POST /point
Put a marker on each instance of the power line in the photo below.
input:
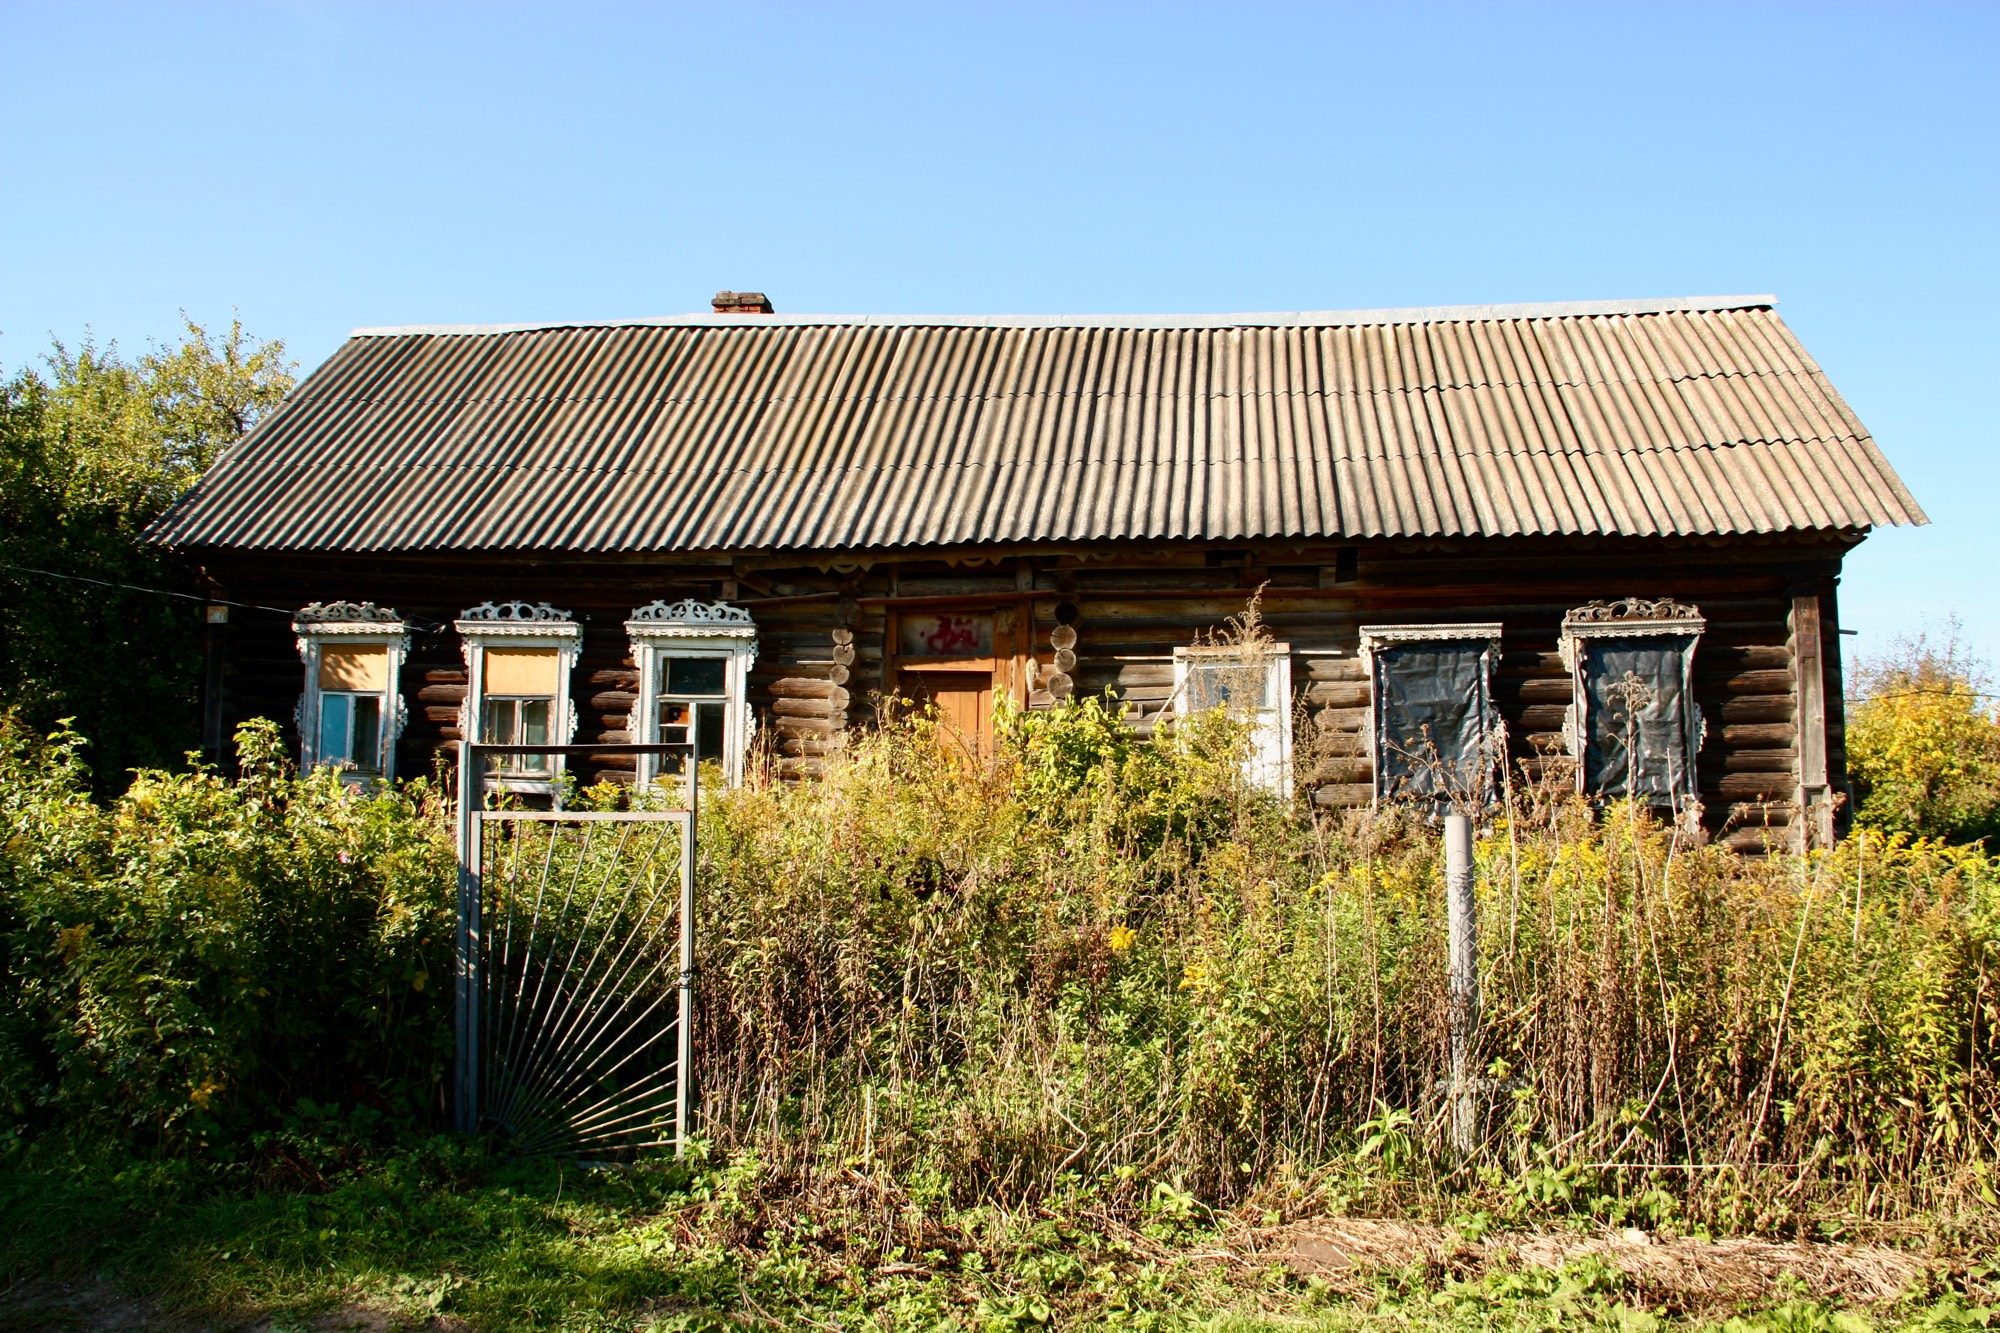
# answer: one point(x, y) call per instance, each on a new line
point(419, 625)
point(135, 587)
point(1946, 693)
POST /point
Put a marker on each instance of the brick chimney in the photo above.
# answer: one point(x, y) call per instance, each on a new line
point(742, 303)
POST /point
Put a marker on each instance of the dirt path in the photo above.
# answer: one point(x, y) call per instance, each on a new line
point(1680, 1275)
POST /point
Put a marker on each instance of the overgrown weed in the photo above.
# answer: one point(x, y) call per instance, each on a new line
point(1116, 958)
point(995, 1042)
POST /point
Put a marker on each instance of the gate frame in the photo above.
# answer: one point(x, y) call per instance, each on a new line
point(471, 817)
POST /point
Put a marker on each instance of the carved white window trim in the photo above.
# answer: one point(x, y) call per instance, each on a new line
point(1270, 761)
point(1631, 618)
point(688, 628)
point(351, 625)
point(1375, 637)
point(493, 625)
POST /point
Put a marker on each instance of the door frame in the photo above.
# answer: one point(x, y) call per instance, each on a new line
point(1010, 668)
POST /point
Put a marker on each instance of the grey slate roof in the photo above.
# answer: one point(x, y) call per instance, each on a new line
point(707, 432)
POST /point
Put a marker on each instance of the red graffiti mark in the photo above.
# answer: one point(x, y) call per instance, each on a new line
point(954, 634)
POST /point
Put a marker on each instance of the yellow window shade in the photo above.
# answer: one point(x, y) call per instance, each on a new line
point(355, 668)
point(521, 671)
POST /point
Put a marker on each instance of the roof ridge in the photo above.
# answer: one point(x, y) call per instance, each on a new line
point(1267, 319)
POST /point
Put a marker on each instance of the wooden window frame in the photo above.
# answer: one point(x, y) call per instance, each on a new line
point(1375, 638)
point(689, 628)
point(324, 625)
point(1631, 618)
point(493, 625)
point(1271, 763)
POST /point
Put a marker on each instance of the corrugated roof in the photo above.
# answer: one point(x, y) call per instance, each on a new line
point(710, 432)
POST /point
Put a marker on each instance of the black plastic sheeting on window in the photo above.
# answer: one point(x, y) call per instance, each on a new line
point(1433, 717)
point(1636, 698)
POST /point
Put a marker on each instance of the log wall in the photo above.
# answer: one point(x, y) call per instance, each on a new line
point(823, 638)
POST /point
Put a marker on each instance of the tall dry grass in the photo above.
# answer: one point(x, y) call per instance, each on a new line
point(1100, 961)
point(1096, 963)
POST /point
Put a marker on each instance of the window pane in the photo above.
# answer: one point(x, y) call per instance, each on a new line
point(497, 727)
point(708, 729)
point(335, 713)
point(1207, 688)
point(694, 675)
point(518, 722)
point(367, 732)
point(1431, 718)
point(1240, 685)
point(534, 721)
point(1214, 687)
point(675, 716)
point(1636, 696)
point(529, 719)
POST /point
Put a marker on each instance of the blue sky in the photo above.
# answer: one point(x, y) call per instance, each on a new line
point(319, 166)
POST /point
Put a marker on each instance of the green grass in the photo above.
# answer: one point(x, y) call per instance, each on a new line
point(507, 1245)
point(545, 1245)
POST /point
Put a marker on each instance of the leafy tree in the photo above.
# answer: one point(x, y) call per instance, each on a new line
point(92, 449)
point(1923, 742)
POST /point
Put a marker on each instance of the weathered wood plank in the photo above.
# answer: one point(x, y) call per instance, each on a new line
point(1741, 682)
point(1344, 668)
point(1341, 719)
point(1532, 690)
point(1145, 673)
point(799, 687)
point(1748, 786)
point(1751, 736)
point(1760, 708)
point(1343, 771)
point(1339, 694)
point(1759, 761)
point(1337, 744)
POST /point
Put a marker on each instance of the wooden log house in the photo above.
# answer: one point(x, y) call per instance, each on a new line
point(749, 528)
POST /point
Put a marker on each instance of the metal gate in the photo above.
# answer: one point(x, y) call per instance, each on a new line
point(575, 966)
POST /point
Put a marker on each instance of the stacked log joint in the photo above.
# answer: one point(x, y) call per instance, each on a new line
point(1337, 759)
point(805, 665)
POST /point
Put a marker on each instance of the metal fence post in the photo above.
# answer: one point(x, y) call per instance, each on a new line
point(465, 1087)
point(684, 1050)
point(1462, 924)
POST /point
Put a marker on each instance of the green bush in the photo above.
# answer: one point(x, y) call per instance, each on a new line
point(191, 964)
point(1923, 743)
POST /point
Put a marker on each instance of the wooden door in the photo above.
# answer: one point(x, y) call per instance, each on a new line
point(964, 701)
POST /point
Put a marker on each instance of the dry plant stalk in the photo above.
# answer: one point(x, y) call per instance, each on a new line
point(1110, 959)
